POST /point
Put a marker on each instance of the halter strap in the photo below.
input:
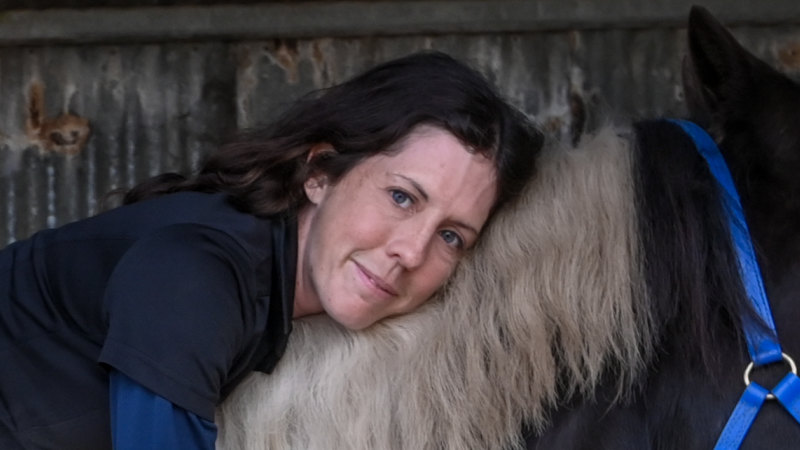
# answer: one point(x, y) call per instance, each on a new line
point(762, 338)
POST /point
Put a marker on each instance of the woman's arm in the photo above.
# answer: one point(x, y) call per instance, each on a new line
point(143, 419)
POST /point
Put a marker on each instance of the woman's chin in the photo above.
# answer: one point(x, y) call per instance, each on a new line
point(353, 319)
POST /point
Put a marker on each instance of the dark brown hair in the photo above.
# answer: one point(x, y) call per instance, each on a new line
point(264, 170)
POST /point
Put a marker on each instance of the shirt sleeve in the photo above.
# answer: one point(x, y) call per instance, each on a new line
point(173, 305)
point(142, 419)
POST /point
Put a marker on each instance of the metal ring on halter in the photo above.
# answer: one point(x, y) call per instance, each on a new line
point(786, 358)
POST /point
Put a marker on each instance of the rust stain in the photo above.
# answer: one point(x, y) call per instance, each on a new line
point(574, 40)
point(789, 55)
point(246, 73)
point(553, 125)
point(65, 134)
point(316, 54)
point(284, 53)
point(322, 71)
point(243, 59)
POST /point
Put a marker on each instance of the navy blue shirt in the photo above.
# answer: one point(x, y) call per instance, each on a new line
point(183, 294)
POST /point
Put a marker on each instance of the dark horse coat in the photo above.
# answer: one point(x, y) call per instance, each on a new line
point(688, 391)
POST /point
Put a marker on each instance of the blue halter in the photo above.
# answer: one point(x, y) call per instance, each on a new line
point(762, 339)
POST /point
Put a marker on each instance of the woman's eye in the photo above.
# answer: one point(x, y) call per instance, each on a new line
point(452, 238)
point(401, 198)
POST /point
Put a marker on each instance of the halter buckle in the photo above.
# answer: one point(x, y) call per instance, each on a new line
point(786, 358)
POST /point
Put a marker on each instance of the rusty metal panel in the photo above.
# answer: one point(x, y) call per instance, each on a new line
point(156, 107)
point(569, 81)
point(151, 109)
point(564, 79)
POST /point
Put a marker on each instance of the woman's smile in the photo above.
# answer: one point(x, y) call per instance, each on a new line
point(381, 289)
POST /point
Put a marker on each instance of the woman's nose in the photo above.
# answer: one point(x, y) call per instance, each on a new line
point(409, 245)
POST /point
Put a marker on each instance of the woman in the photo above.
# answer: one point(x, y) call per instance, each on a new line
point(357, 203)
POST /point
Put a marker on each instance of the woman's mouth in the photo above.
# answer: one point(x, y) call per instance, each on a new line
point(375, 281)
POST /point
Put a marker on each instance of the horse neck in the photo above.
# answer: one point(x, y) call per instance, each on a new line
point(690, 267)
point(769, 187)
point(760, 138)
point(773, 215)
point(775, 232)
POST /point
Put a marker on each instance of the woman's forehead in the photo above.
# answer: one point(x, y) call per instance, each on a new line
point(441, 170)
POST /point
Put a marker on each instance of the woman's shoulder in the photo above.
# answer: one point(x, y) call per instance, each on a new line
point(182, 210)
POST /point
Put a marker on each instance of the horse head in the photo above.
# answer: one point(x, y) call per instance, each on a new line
point(751, 111)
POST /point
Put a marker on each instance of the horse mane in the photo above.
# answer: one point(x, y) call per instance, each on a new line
point(542, 305)
point(578, 281)
point(690, 266)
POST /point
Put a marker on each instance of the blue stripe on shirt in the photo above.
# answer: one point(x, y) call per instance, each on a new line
point(141, 419)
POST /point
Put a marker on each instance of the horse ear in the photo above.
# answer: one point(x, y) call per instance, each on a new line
point(715, 69)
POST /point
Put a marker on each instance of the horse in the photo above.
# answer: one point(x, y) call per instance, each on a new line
point(602, 310)
point(694, 295)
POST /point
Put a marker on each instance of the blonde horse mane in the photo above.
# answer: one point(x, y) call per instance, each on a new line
point(550, 299)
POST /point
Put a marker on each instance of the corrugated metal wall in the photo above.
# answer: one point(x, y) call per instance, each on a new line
point(162, 87)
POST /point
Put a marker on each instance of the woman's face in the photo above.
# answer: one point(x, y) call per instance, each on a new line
point(389, 233)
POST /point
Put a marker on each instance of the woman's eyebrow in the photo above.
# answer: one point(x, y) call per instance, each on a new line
point(466, 226)
point(416, 185)
point(424, 195)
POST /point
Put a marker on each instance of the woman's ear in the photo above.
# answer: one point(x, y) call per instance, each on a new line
point(317, 184)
